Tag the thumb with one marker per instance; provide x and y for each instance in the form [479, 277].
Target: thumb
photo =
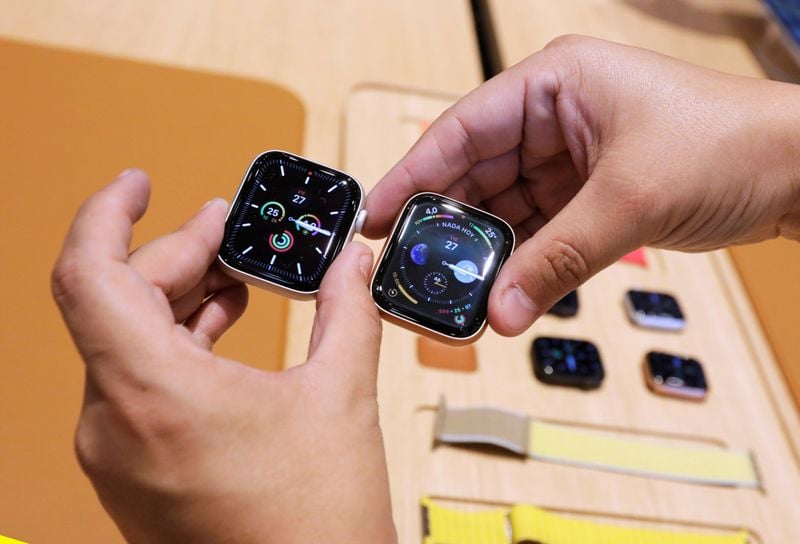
[347, 328]
[594, 230]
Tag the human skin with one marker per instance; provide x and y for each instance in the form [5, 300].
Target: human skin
[186, 446]
[591, 149]
[588, 148]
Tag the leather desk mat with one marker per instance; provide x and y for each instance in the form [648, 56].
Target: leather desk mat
[70, 123]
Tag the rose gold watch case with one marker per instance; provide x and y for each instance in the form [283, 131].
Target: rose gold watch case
[417, 327]
[675, 391]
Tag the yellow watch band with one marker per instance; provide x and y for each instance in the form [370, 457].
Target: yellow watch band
[525, 524]
[444, 525]
[568, 444]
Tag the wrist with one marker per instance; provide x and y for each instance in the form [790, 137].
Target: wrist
[783, 153]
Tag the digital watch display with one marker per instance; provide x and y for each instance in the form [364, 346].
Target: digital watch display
[654, 310]
[675, 376]
[567, 362]
[290, 218]
[438, 267]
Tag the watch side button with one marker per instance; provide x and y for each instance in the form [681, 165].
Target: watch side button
[361, 218]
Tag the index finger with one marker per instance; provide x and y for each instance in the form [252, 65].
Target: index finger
[484, 124]
[103, 225]
[90, 281]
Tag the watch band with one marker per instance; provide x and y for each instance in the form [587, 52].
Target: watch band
[595, 449]
[442, 525]
[526, 524]
[493, 426]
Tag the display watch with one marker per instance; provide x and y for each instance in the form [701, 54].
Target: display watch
[289, 220]
[438, 266]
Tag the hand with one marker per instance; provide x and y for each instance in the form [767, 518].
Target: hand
[185, 446]
[591, 149]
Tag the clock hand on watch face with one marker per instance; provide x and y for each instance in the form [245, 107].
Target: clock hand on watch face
[310, 227]
[464, 271]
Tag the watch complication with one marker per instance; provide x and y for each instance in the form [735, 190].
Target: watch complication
[438, 266]
[288, 221]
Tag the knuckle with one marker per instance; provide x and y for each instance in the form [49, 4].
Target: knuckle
[565, 266]
[107, 434]
[86, 450]
[788, 226]
[466, 142]
[568, 41]
[66, 278]
[197, 239]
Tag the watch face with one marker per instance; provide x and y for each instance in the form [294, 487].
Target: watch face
[654, 310]
[574, 363]
[439, 265]
[290, 219]
[675, 372]
[655, 304]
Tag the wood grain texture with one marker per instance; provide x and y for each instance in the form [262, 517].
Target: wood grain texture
[318, 50]
[718, 34]
[748, 406]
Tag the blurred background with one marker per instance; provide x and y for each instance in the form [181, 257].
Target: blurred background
[191, 90]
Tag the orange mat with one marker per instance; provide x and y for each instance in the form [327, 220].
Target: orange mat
[70, 123]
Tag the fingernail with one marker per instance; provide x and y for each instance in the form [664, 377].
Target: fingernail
[365, 265]
[519, 311]
[215, 202]
[126, 173]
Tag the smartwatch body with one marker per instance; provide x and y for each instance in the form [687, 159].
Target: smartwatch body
[438, 266]
[675, 376]
[571, 363]
[289, 220]
[654, 310]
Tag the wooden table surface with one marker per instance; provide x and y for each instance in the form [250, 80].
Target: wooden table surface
[718, 34]
[322, 52]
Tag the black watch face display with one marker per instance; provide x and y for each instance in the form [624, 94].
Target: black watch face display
[289, 220]
[676, 375]
[654, 310]
[439, 265]
[561, 361]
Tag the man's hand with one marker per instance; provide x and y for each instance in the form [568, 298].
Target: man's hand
[591, 149]
[185, 446]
